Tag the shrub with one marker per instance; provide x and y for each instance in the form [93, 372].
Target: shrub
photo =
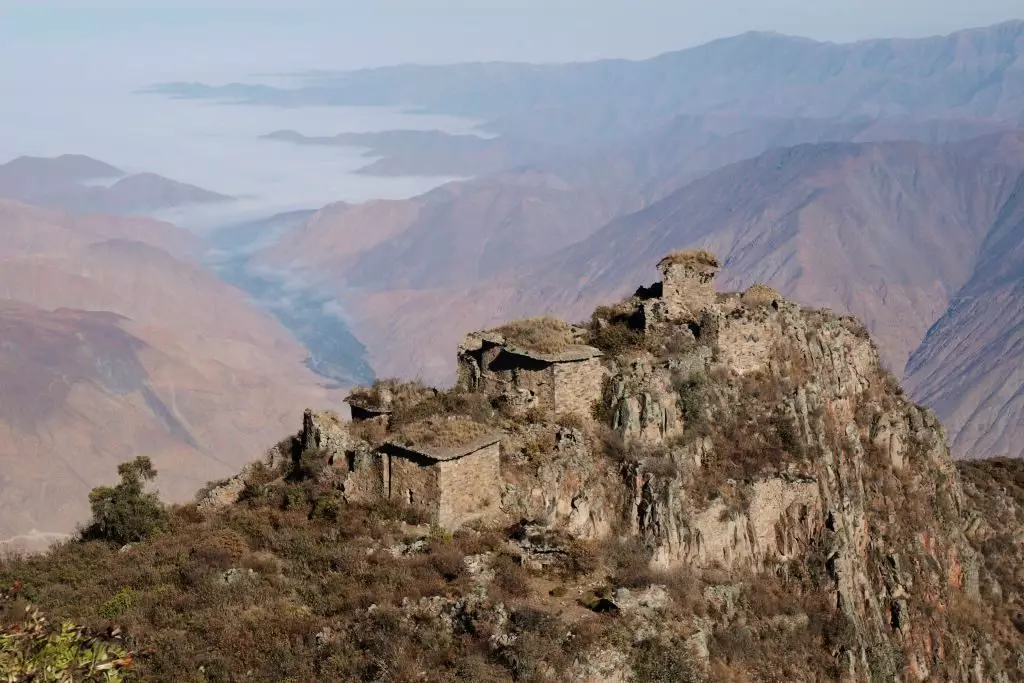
[453, 402]
[510, 577]
[692, 257]
[570, 421]
[690, 397]
[616, 339]
[385, 394]
[540, 335]
[654, 661]
[616, 329]
[441, 432]
[126, 513]
[760, 295]
[123, 601]
[34, 649]
[311, 463]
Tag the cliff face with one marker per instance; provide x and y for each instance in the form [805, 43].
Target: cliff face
[745, 439]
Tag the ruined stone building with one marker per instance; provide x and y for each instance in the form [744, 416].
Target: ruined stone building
[686, 289]
[566, 380]
[447, 467]
[362, 410]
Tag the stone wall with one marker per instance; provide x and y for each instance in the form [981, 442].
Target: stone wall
[577, 385]
[365, 474]
[522, 383]
[411, 481]
[470, 487]
[687, 288]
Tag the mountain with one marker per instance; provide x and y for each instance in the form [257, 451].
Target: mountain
[742, 493]
[116, 343]
[970, 366]
[888, 231]
[70, 182]
[972, 74]
[455, 234]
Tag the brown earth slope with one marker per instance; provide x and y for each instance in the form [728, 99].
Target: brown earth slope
[970, 367]
[115, 344]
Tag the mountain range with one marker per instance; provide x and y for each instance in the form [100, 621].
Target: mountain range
[873, 178]
[880, 178]
[969, 75]
[82, 184]
[115, 341]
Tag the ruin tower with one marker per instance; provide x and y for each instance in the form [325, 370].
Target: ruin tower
[688, 284]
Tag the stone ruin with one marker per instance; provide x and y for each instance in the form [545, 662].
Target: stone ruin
[450, 471]
[567, 381]
[455, 480]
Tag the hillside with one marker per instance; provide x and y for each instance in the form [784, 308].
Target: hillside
[108, 321]
[970, 366]
[81, 184]
[711, 487]
[889, 231]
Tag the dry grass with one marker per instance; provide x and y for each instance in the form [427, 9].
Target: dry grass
[760, 295]
[693, 257]
[385, 394]
[443, 432]
[540, 335]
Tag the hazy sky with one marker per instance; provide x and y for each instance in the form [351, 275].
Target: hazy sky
[161, 39]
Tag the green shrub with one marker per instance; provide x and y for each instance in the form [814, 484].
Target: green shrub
[34, 649]
[328, 507]
[311, 463]
[690, 397]
[126, 513]
[124, 600]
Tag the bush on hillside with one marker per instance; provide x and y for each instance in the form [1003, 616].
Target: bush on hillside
[126, 513]
[33, 648]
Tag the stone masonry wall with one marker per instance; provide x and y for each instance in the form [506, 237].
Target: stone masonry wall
[577, 385]
[687, 288]
[365, 476]
[470, 487]
[412, 483]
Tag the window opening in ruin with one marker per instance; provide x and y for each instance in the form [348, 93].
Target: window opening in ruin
[350, 460]
[410, 496]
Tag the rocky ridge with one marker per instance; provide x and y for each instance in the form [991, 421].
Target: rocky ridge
[753, 497]
[745, 436]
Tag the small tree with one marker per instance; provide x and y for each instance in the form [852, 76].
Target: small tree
[126, 513]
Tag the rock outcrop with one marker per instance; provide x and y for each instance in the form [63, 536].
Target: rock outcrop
[754, 448]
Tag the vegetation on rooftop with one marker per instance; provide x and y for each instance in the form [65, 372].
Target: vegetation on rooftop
[701, 257]
[759, 294]
[441, 432]
[540, 335]
[386, 394]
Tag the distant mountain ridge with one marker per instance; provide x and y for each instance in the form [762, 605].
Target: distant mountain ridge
[62, 182]
[116, 342]
[870, 177]
[970, 74]
[889, 231]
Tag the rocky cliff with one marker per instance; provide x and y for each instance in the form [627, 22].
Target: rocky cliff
[749, 439]
[753, 498]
